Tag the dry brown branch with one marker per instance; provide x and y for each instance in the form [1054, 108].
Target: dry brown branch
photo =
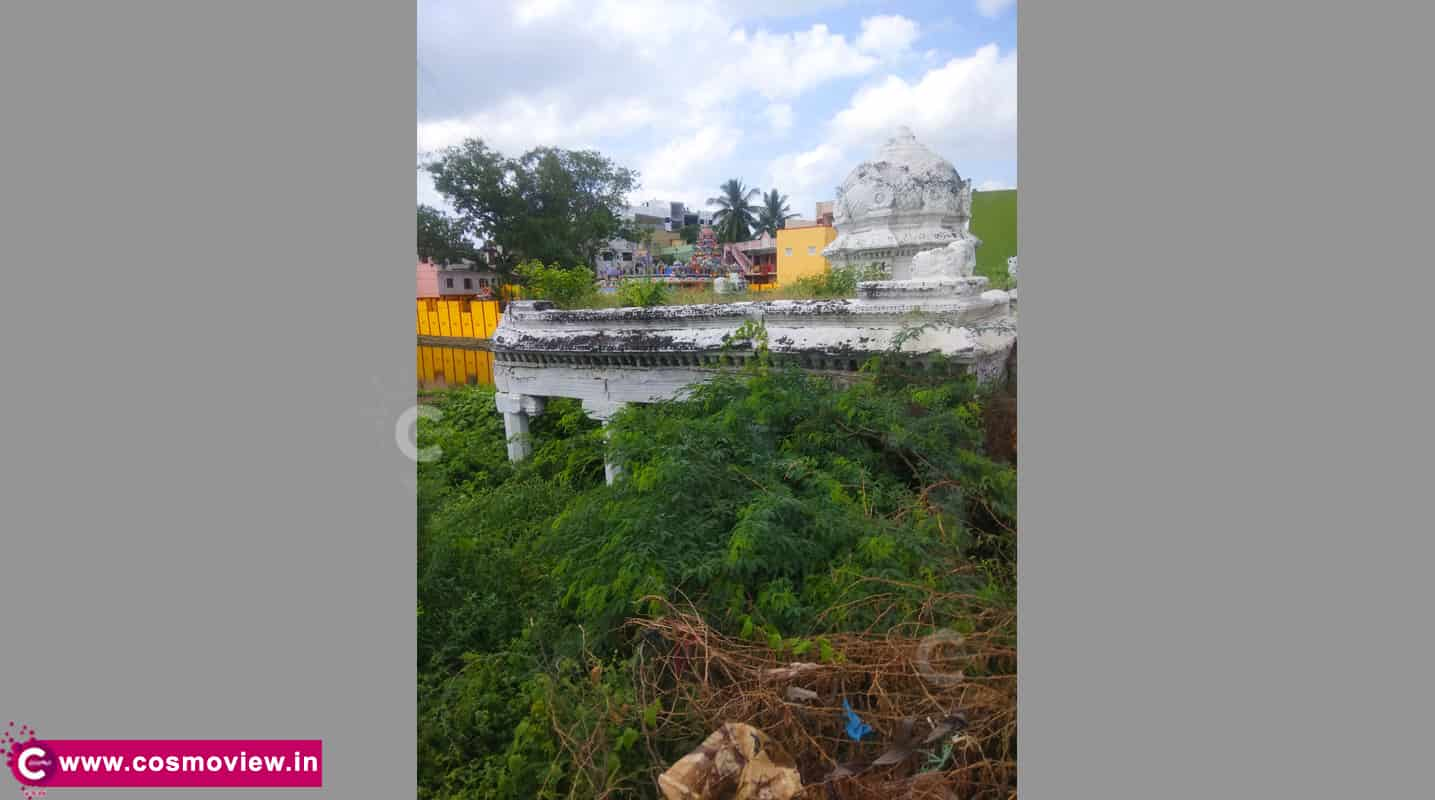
[884, 678]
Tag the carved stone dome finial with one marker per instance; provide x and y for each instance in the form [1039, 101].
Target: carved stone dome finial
[903, 134]
[903, 200]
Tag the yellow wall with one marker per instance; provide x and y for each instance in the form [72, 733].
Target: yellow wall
[470, 319]
[454, 366]
[790, 268]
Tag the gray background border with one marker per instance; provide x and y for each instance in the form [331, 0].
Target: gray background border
[1222, 567]
[208, 336]
[208, 531]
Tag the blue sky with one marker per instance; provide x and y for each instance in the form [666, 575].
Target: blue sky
[780, 94]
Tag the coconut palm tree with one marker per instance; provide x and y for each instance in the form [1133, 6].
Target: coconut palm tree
[773, 213]
[734, 219]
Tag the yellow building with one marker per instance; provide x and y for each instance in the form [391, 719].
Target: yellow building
[799, 252]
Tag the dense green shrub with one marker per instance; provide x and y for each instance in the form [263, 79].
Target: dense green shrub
[836, 282]
[568, 288]
[769, 499]
[644, 293]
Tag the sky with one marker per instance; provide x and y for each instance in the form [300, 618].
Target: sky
[786, 94]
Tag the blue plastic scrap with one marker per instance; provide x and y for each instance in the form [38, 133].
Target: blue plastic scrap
[856, 728]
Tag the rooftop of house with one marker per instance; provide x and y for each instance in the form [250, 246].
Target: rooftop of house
[465, 265]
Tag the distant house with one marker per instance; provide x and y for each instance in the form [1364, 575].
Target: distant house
[755, 259]
[466, 279]
[620, 257]
[799, 250]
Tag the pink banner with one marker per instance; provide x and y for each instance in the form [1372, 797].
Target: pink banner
[160, 763]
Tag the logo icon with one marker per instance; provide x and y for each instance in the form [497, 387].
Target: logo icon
[35, 762]
[31, 761]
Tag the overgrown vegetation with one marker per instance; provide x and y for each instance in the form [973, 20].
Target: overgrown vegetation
[643, 292]
[568, 288]
[836, 282]
[777, 509]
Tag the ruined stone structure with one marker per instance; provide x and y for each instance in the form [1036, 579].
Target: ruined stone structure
[903, 201]
[608, 358]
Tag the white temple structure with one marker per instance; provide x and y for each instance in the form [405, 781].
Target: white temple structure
[908, 209]
[905, 200]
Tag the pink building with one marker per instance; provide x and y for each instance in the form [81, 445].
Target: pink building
[442, 280]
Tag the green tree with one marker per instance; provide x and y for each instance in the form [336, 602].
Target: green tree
[734, 220]
[551, 205]
[690, 234]
[774, 213]
[441, 238]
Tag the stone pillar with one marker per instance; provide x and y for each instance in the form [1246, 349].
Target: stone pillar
[516, 409]
[603, 410]
[611, 471]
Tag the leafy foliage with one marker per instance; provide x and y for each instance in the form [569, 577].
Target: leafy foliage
[774, 213]
[441, 238]
[782, 506]
[836, 282]
[735, 218]
[550, 205]
[568, 288]
[644, 293]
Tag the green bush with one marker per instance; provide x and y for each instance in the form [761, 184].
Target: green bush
[567, 288]
[836, 282]
[643, 293]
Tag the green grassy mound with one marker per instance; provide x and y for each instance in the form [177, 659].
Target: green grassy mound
[994, 222]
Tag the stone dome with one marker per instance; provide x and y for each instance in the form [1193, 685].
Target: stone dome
[904, 200]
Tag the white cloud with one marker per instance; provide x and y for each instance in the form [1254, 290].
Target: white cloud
[779, 116]
[786, 8]
[991, 9]
[965, 110]
[696, 61]
[808, 177]
[784, 65]
[887, 35]
[632, 78]
[536, 10]
[429, 196]
[674, 170]
[671, 93]
[519, 124]
[991, 185]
